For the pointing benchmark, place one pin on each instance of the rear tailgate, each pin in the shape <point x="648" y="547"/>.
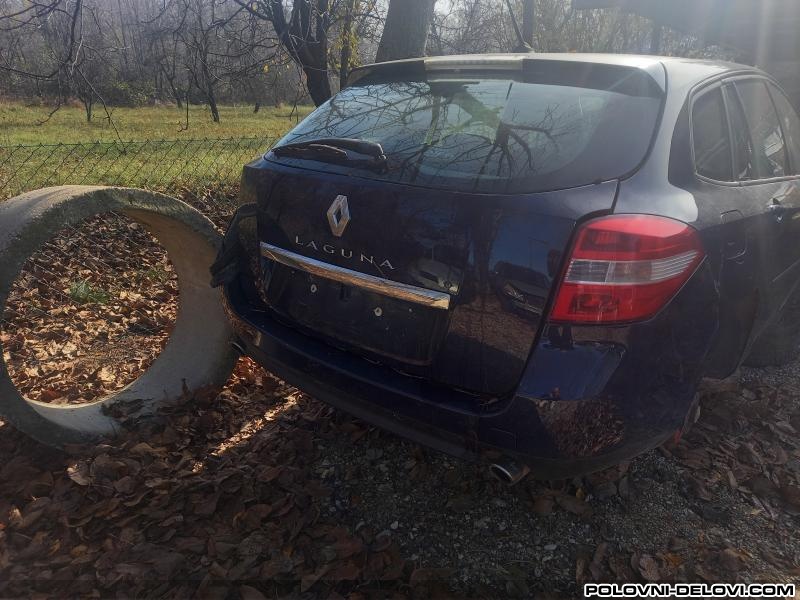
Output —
<point x="488" y="262"/>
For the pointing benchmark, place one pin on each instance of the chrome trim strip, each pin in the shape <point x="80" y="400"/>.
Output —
<point x="378" y="285"/>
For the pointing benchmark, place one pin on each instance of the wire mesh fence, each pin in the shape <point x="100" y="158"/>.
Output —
<point x="166" y="165"/>
<point x="95" y="306"/>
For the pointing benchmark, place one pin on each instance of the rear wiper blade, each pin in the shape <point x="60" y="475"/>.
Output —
<point x="315" y="151"/>
<point x="330" y="145"/>
<point x="337" y="151"/>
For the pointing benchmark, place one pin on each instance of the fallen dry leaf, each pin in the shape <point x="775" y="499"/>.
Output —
<point x="647" y="567"/>
<point x="543" y="505"/>
<point x="732" y="560"/>
<point x="573" y="505"/>
<point x="79" y="473"/>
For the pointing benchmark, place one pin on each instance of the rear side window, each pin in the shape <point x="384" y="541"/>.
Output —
<point x="791" y="126"/>
<point x="712" y="144"/>
<point x="765" y="129"/>
<point x="743" y="155"/>
<point x="495" y="134"/>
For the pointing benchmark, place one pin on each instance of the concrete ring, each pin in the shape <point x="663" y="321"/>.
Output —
<point x="198" y="353"/>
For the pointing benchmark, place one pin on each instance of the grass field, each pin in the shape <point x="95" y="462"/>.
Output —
<point x="155" y="151"/>
<point x="21" y="124"/>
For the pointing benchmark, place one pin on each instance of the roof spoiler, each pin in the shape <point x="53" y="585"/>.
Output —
<point x="420" y="67"/>
<point x="628" y="79"/>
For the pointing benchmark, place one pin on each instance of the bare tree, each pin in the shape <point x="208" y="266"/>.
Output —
<point x="17" y="19"/>
<point x="198" y="31"/>
<point x="405" y="34"/>
<point x="303" y="31"/>
<point x="348" y="41"/>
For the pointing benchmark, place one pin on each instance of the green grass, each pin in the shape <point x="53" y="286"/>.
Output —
<point x="36" y="154"/>
<point x="83" y="292"/>
<point x="157" y="274"/>
<point x="21" y="124"/>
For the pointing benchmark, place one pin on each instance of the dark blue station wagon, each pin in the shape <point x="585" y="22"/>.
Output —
<point x="531" y="260"/>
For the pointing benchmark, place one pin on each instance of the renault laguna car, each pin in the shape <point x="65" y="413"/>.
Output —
<point x="526" y="259"/>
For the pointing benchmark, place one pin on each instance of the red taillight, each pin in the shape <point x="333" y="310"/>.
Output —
<point x="626" y="268"/>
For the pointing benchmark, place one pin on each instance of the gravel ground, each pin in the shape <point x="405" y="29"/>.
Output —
<point x="655" y="519"/>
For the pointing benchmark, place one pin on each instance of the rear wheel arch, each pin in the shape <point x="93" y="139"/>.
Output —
<point x="730" y="349"/>
<point x="777" y="343"/>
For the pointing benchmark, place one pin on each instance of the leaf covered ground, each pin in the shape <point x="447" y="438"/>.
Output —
<point x="259" y="491"/>
<point x="91" y="311"/>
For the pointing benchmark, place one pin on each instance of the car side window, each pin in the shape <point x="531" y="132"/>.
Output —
<point x="743" y="161"/>
<point x="791" y="126"/>
<point x="769" y="146"/>
<point x="712" y="145"/>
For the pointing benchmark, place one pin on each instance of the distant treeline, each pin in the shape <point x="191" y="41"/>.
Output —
<point x="265" y="52"/>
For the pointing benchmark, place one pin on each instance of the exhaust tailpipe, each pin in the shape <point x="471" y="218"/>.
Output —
<point x="509" y="471"/>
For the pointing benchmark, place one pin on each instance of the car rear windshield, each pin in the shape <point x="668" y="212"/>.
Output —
<point x="495" y="135"/>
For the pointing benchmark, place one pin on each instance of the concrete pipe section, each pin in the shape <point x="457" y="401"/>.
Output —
<point x="198" y="353"/>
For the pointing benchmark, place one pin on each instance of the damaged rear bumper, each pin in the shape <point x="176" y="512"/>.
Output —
<point x="556" y="437"/>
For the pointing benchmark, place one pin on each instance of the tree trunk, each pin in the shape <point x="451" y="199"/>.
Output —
<point x="319" y="87"/>
<point x="174" y="91"/>
<point x="176" y="95"/>
<point x="212" y="104"/>
<point x="209" y="85"/>
<point x="347" y="43"/>
<point x="88" y="105"/>
<point x="528" y="10"/>
<point x="406" y="31"/>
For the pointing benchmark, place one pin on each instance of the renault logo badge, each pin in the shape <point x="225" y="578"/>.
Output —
<point x="339" y="216"/>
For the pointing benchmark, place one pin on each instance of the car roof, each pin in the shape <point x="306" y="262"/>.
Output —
<point x="680" y="71"/>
